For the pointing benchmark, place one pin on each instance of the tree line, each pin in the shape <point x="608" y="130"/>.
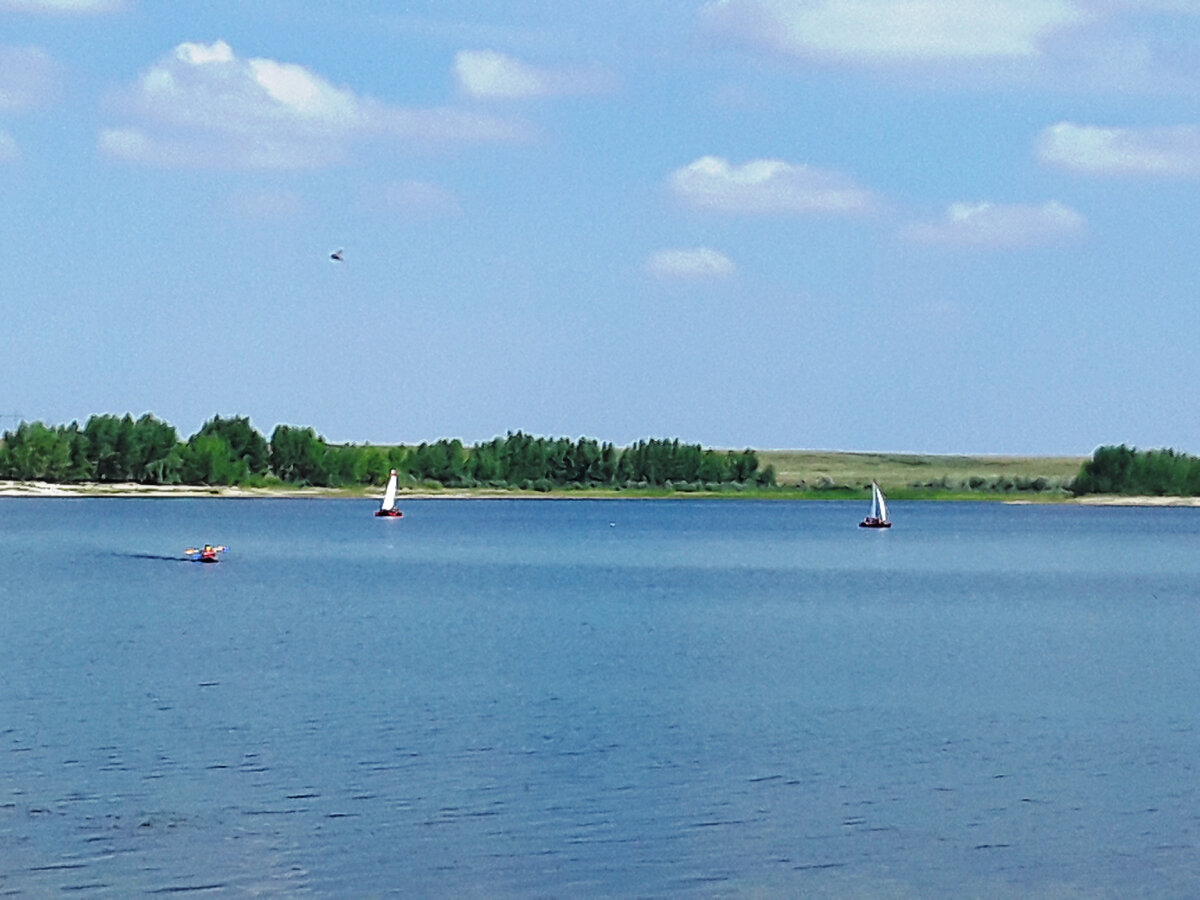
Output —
<point x="230" y="451"/>
<point x="1127" y="470"/>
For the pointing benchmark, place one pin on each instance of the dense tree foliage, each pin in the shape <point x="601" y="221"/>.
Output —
<point x="1126" y="470"/>
<point x="230" y="451"/>
<point x="297" y="454"/>
<point x="35" y="452"/>
<point x="246" y="446"/>
<point x="106" y="449"/>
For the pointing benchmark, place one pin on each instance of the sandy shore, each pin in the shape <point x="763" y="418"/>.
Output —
<point x="1107" y="500"/>
<point x="131" y="489"/>
<point x="41" y="489"/>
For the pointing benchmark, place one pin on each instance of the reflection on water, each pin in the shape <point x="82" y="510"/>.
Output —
<point x="587" y="698"/>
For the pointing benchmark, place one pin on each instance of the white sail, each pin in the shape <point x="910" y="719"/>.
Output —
<point x="879" y="501"/>
<point x="389" y="495"/>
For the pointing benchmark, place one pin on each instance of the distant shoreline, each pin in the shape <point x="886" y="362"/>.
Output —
<point x="18" y="489"/>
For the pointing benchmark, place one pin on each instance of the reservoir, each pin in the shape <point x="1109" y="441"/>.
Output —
<point x="600" y="698"/>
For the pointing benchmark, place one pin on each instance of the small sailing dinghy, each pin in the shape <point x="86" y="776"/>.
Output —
<point x="387" y="508"/>
<point x="879" y="514"/>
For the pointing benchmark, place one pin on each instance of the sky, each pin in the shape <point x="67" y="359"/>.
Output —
<point x="942" y="226"/>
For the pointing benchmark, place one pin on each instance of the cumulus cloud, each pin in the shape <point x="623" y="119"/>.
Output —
<point x="62" y="7"/>
<point x="487" y="74"/>
<point x="29" y="77"/>
<point x="1172" y="152"/>
<point x="9" y="152"/>
<point x="768" y="186"/>
<point x="1094" y="46"/>
<point x="202" y="105"/>
<point x="422" y="199"/>
<point x="697" y="264"/>
<point x="1180" y="7"/>
<point x="996" y="225"/>
<point x="894" y="31"/>
<point x="266" y="204"/>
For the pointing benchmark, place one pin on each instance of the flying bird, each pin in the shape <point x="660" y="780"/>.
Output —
<point x="336" y="255"/>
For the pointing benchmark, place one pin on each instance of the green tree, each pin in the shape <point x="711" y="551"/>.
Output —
<point x="208" y="459"/>
<point x="154" y="452"/>
<point x="106" y="446"/>
<point x="1107" y="472"/>
<point x="485" y="464"/>
<point x="246" y="444"/>
<point x="1126" y="470"/>
<point x="297" y="455"/>
<point x="37" y="452"/>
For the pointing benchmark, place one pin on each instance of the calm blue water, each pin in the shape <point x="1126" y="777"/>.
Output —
<point x="598" y="698"/>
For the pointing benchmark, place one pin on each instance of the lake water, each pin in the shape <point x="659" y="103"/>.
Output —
<point x="598" y="698"/>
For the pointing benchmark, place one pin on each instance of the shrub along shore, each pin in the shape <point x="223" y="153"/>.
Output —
<point x="111" y="455"/>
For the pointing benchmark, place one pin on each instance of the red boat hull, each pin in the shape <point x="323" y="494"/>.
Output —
<point x="389" y="513"/>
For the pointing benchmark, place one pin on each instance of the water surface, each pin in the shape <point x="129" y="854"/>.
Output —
<point x="597" y="698"/>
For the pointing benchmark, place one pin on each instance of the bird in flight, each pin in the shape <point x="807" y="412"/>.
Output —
<point x="336" y="255"/>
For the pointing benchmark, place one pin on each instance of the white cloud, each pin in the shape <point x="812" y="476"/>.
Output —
<point x="202" y="105"/>
<point x="29" y="77"/>
<point x="1175" y="7"/>
<point x="892" y="31"/>
<point x="1172" y="152"/>
<point x="1092" y="46"/>
<point x="63" y="7"/>
<point x="136" y="145"/>
<point x="996" y="225"/>
<point x="420" y="198"/>
<point x="769" y="186"/>
<point x="488" y="74"/>
<point x="698" y="263"/>
<point x="9" y="151"/>
<point x="266" y="204"/>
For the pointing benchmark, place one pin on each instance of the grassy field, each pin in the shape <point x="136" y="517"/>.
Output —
<point x="904" y="474"/>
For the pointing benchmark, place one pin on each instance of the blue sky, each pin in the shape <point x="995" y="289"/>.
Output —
<point x="924" y="225"/>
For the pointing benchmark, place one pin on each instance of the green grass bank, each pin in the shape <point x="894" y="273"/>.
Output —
<point x="816" y="473"/>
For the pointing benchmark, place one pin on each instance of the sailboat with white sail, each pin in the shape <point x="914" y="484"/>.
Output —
<point x="878" y="517"/>
<point x="387" y="508"/>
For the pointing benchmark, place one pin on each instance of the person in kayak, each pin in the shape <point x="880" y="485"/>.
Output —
<point x="206" y="554"/>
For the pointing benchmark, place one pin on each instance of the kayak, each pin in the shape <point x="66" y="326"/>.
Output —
<point x="206" y="555"/>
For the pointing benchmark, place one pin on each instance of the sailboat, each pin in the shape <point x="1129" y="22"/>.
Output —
<point x="879" y="514"/>
<point x="388" y="507"/>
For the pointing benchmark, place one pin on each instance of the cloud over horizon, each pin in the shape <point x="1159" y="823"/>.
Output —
<point x="202" y="105"/>
<point x="1091" y="46"/>
<point x="692" y="264"/>
<point x="265" y="204"/>
<point x="488" y="74"/>
<point x="998" y="225"/>
<point x="9" y="151"/>
<point x="29" y="78"/>
<point x="892" y="31"/>
<point x="769" y="186"/>
<point x="1170" y="152"/>
<point x="419" y="199"/>
<point x="63" y="7"/>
